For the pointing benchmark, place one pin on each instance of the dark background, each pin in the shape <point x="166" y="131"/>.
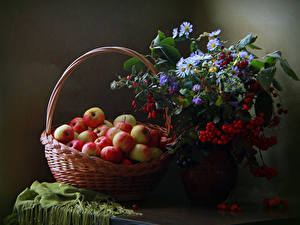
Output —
<point x="39" y="39"/>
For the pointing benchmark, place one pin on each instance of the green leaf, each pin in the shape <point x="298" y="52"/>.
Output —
<point x="249" y="39"/>
<point x="196" y="77"/>
<point x="188" y="84"/>
<point x="276" y="54"/>
<point x="161" y="61"/>
<point x="133" y="62"/>
<point x="272" y="58"/>
<point x="270" y="61"/>
<point x="160" y="36"/>
<point x="171" y="53"/>
<point x="277" y="85"/>
<point x="219" y="100"/>
<point x="264" y="104"/>
<point x="168" y="41"/>
<point x="254" y="46"/>
<point x="287" y="69"/>
<point x="178" y="110"/>
<point x="265" y="77"/>
<point x="257" y="64"/>
<point x="183" y="91"/>
<point x="193" y="46"/>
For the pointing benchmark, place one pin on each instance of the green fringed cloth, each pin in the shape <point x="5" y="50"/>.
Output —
<point x="62" y="204"/>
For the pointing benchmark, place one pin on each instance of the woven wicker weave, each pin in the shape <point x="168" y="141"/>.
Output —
<point x="124" y="182"/>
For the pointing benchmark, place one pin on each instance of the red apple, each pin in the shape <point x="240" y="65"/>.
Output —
<point x="126" y="118"/>
<point x="93" y="117"/>
<point x="101" y="130"/>
<point x="124" y="141"/>
<point x="155" y="136"/>
<point x="64" y="133"/>
<point x="103" y="141"/>
<point x="141" y="134"/>
<point x="76" y="144"/>
<point x="111" y="132"/>
<point x="141" y="153"/>
<point x="78" y="125"/>
<point x="90" y="148"/>
<point x="124" y="126"/>
<point x="87" y="136"/>
<point x="112" y="154"/>
<point x="126" y="162"/>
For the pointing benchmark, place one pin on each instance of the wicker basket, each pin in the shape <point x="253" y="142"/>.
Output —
<point x="123" y="182"/>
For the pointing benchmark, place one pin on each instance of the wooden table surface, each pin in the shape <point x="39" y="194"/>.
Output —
<point x="172" y="212"/>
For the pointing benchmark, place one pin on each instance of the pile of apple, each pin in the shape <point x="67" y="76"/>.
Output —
<point x="122" y="141"/>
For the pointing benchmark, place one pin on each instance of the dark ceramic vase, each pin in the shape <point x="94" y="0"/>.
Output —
<point x="209" y="181"/>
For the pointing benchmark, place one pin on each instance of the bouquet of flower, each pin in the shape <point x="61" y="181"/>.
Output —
<point x="220" y="97"/>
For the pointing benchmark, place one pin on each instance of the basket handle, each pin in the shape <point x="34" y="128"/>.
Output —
<point x="72" y="67"/>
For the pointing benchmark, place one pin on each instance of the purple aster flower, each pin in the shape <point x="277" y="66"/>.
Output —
<point x="214" y="33"/>
<point x="162" y="80"/>
<point x="197" y="101"/>
<point x="234" y="55"/>
<point x="251" y="57"/>
<point x="213" y="44"/>
<point x="196" y="87"/>
<point x="175" y="32"/>
<point x="185" y="29"/>
<point x="173" y="84"/>
<point x="246" y="56"/>
<point x="235" y="70"/>
<point x="243" y="54"/>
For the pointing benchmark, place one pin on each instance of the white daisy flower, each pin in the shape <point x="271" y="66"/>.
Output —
<point x="214" y="33"/>
<point x="175" y="32"/>
<point x="182" y="68"/>
<point x="190" y="61"/>
<point x="185" y="29"/>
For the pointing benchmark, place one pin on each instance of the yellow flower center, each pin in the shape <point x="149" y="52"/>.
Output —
<point x="187" y="29"/>
<point x="182" y="69"/>
<point x="190" y="66"/>
<point x="213" y="45"/>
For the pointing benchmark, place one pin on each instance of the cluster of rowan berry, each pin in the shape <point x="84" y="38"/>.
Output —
<point x="248" y="101"/>
<point x="263" y="142"/>
<point x="264" y="171"/>
<point x="250" y="130"/>
<point x="225" y="60"/>
<point x="150" y="106"/>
